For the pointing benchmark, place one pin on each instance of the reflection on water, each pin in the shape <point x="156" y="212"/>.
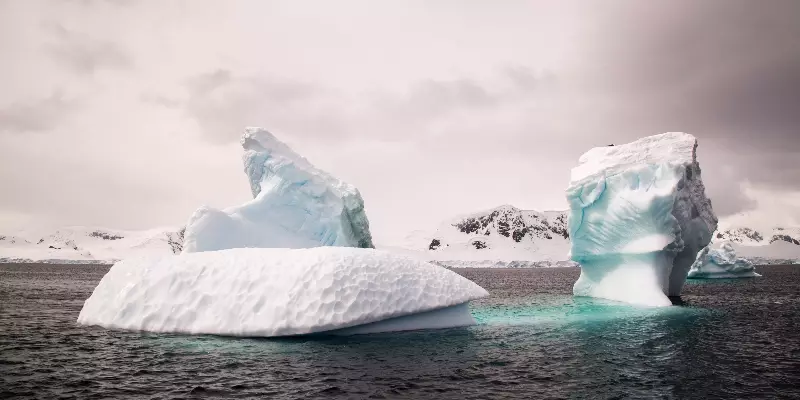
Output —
<point x="565" y="309"/>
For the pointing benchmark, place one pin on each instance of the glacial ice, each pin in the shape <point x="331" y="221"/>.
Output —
<point x="280" y="292"/>
<point x="295" y="205"/>
<point x="638" y="216"/>
<point x="721" y="263"/>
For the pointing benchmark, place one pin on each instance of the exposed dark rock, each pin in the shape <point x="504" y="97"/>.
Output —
<point x="785" y="238"/>
<point x="175" y="240"/>
<point x="516" y="224"/>
<point x="502" y="228"/>
<point x="736" y="235"/>
<point x="105" y="235"/>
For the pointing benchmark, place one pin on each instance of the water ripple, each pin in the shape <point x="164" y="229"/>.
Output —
<point x="729" y="339"/>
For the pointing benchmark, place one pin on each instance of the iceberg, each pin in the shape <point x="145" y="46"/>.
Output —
<point x="638" y="217"/>
<point x="297" y="259"/>
<point x="295" y="205"/>
<point x="280" y="292"/>
<point x="721" y="263"/>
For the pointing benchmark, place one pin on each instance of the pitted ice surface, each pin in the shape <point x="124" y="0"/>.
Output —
<point x="273" y="292"/>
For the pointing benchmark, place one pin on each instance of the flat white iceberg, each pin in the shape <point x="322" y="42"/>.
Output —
<point x="280" y="292"/>
<point x="638" y="216"/>
<point x="721" y="263"/>
<point x="295" y="205"/>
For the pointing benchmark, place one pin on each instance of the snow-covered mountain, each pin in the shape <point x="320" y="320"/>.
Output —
<point x="752" y="237"/>
<point x="496" y="237"/>
<point x="505" y="236"/>
<point x="87" y="244"/>
<point x="763" y="244"/>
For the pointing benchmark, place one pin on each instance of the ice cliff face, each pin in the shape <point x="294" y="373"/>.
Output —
<point x="638" y="216"/>
<point x="721" y="263"/>
<point x="295" y="205"/>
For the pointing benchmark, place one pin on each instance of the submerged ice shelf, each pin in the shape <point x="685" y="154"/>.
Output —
<point x="280" y="292"/>
<point x="721" y="263"/>
<point x="638" y="216"/>
<point x="295" y="205"/>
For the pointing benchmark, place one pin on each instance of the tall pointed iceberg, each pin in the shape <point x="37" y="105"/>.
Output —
<point x="638" y="216"/>
<point x="310" y="268"/>
<point x="295" y="205"/>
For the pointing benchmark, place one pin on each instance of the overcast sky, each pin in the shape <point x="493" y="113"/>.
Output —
<point x="126" y="114"/>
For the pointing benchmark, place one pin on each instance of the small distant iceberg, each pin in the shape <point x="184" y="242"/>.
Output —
<point x="295" y="260"/>
<point x="721" y="263"/>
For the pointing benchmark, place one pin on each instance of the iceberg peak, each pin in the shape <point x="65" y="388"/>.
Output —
<point x="295" y="205"/>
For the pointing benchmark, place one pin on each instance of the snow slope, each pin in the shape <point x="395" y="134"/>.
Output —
<point x="638" y="217"/>
<point x="279" y="292"/>
<point x="87" y="244"/>
<point x="295" y="205"/>
<point x="502" y="236"/>
<point x="25" y="246"/>
<point x="761" y="244"/>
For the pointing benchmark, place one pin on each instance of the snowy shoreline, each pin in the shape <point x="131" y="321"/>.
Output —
<point x="450" y="264"/>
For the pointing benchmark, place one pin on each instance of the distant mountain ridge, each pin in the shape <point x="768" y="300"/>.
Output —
<point x="520" y="226"/>
<point x="88" y="244"/>
<point x="502" y="236"/>
<point x="505" y="232"/>
<point x="749" y="236"/>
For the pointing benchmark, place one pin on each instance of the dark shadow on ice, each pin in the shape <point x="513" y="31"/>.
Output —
<point x="677" y="301"/>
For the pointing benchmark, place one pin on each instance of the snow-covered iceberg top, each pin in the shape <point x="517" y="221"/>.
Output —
<point x="278" y="292"/>
<point x="295" y="205"/>
<point x="721" y="263"/>
<point x="638" y="216"/>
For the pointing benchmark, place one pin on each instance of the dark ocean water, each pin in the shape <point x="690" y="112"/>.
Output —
<point x="728" y="339"/>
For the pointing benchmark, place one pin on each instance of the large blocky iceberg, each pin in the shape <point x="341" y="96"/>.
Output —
<point x="638" y="216"/>
<point x="295" y="205"/>
<point x="280" y="292"/>
<point x="721" y="263"/>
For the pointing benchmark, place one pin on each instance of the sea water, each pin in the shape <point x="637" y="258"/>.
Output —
<point x="728" y="339"/>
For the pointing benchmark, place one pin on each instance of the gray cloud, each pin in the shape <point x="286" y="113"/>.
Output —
<point x="729" y="69"/>
<point x="223" y="103"/>
<point x="36" y="116"/>
<point x="726" y="71"/>
<point x="160" y="100"/>
<point x="89" y="3"/>
<point x="83" y="54"/>
<point x="479" y="104"/>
